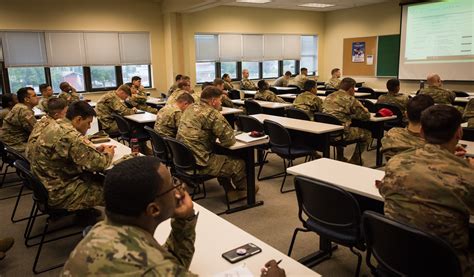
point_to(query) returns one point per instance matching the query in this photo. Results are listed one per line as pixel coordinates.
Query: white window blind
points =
(252, 48)
(273, 47)
(291, 47)
(24, 49)
(230, 47)
(65, 49)
(207, 48)
(102, 48)
(134, 48)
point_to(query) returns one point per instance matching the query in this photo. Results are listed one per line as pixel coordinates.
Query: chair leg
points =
(29, 226)
(30, 218)
(12, 218)
(293, 238)
(290, 163)
(359, 260)
(261, 166)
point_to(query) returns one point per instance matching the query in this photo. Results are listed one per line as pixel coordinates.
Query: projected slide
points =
(438, 37)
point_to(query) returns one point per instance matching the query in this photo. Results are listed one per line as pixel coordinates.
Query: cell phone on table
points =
(139, 112)
(241, 252)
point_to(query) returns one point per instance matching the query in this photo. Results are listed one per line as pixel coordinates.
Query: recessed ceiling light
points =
(316, 5)
(254, 1)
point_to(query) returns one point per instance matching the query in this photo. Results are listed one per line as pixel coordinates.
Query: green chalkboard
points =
(388, 49)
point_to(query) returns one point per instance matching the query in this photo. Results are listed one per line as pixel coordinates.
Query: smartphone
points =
(241, 252)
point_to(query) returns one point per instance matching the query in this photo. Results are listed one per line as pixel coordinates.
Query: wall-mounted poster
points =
(358, 52)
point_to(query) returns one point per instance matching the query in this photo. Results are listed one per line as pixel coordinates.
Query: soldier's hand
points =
(109, 149)
(134, 110)
(272, 270)
(460, 151)
(184, 204)
(471, 161)
(100, 148)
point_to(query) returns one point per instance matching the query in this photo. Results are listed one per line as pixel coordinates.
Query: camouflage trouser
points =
(352, 133)
(470, 122)
(227, 168)
(87, 195)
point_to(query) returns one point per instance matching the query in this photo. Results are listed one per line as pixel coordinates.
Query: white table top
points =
(469, 147)
(156, 101)
(288, 95)
(377, 119)
(356, 94)
(353, 178)
(379, 90)
(120, 149)
(463, 99)
(464, 125)
(214, 236)
(226, 110)
(249, 92)
(300, 125)
(142, 117)
(94, 127)
(285, 88)
(265, 104)
(321, 92)
(40, 113)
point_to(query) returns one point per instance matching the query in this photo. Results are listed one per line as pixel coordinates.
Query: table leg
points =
(324, 252)
(379, 136)
(326, 152)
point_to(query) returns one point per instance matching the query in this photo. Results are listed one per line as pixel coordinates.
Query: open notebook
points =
(245, 137)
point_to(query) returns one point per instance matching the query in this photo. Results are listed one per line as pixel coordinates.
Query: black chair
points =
(336, 139)
(40, 198)
(280, 144)
(186, 169)
(373, 95)
(159, 147)
(296, 88)
(252, 107)
(331, 212)
(297, 114)
(461, 93)
(468, 133)
(329, 91)
(234, 94)
(124, 128)
(7, 162)
(274, 90)
(318, 83)
(369, 105)
(111, 135)
(401, 250)
(396, 111)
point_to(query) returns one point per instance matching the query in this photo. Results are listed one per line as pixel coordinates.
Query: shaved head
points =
(433, 79)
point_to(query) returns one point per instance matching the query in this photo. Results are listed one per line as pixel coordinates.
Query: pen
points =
(279, 261)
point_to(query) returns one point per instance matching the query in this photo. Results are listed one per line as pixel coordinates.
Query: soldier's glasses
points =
(177, 185)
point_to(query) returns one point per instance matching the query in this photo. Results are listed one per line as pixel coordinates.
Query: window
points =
(205, 72)
(103, 77)
(270, 69)
(309, 54)
(254, 70)
(143, 71)
(289, 65)
(74, 75)
(26, 77)
(229, 68)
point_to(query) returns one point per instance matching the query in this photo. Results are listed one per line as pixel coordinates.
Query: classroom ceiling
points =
(186, 6)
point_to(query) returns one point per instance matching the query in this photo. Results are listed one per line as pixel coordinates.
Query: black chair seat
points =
(295, 152)
(343, 236)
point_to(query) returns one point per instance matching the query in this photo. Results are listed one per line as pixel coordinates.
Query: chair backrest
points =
(326, 118)
(373, 95)
(297, 88)
(12, 155)
(406, 251)
(123, 125)
(369, 105)
(252, 107)
(320, 83)
(461, 93)
(249, 124)
(328, 206)
(160, 149)
(40, 193)
(329, 91)
(274, 90)
(468, 133)
(183, 158)
(279, 135)
(297, 113)
(234, 94)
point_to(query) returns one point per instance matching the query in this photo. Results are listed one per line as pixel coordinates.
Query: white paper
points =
(238, 271)
(245, 137)
(370, 59)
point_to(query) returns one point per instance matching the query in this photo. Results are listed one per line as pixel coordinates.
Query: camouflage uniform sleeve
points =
(223, 131)
(358, 111)
(275, 98)
(27, 119)
(226, 102)
(316, 104)
(180, 242)
(84, 154)
(469, 110)
(120, 108)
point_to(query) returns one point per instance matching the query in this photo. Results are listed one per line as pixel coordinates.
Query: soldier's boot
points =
(340, 154)
(233, 194)
(357, 156)
(5, 245)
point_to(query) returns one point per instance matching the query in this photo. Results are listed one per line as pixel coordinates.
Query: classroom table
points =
(155, 101)
(120, 150)
(469, 147)
(39, 113)
(264, 104)
(356, 94)
(312, 127)
(250, 93)
(215, 235)
(146, 117)
(285, 88)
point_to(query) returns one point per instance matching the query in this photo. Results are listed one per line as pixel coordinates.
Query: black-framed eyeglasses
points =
(177, 184)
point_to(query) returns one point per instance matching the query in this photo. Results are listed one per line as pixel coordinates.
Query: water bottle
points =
(81, 97)
(422, 84)
(134, 146)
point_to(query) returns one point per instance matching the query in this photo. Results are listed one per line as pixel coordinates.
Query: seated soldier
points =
(183, 87)
(398, 140)
(430, 187)
(167, 120)
(265, 94)
(138, 99)
(344, 106)
(8, 101)
(112, 102)
(68, 93)
(177, 79)
(301, 78)
(226, 102)
(393, 96)
(436, 91)
(152, 200)
(469, 113)
(46, 93)
(57, 108)
(19, 122)
(283, 80)
(227, 82)
(200, 125)
(245, 83)
(335, 80)
(308, 101)
(64, 160)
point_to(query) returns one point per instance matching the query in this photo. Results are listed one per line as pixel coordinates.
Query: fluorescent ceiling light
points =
(316, 5)
(254, 1)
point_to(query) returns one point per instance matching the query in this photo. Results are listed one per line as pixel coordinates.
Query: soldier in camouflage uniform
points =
(245, 83)
(398, 140)
(9, 100)
(469, 113)
(393, 97)
(308, 101)
(300, 79)
(167, 120)
(283, 80)
(226, 102)
(173, 87)
(64, 160)
(435, 90)
(20, 121)
(57, 108)
(123, 244)
(335, 80)
(68, 93)
(138, 100)
(183, 87)
(46, 94)
(227, 82)
(432, 189)
(344, 106)
(112, 102)
(200, 125)
(265, 94)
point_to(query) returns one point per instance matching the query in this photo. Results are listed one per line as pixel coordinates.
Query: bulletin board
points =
(351, 68)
